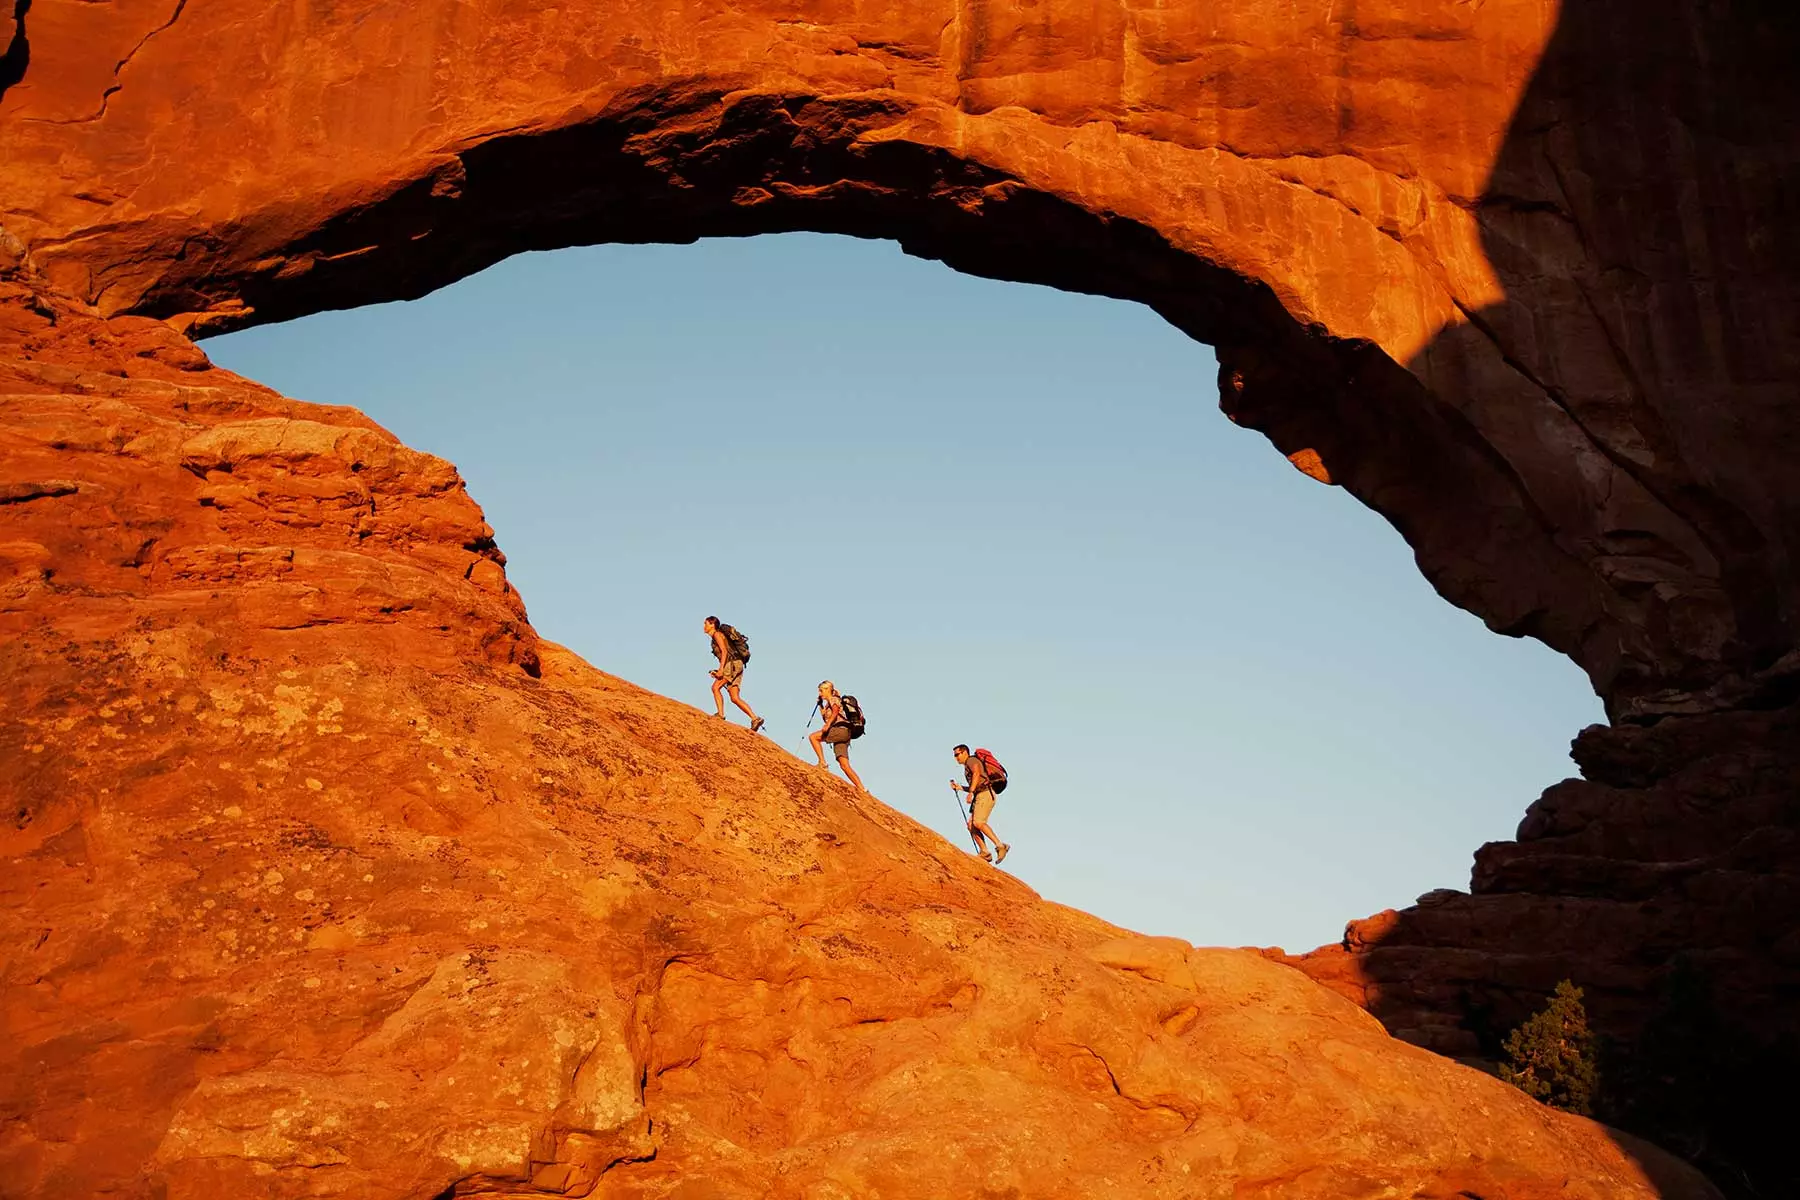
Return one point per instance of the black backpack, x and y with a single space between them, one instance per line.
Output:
852 716
740 645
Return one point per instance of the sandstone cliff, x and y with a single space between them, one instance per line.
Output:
1519 274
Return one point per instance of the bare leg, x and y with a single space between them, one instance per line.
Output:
817 738
718 698
979 808
739 701
851 774
980 845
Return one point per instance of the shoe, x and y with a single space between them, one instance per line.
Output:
1000 854
986 857
756 725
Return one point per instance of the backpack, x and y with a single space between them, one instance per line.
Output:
740 645
853 716
996 774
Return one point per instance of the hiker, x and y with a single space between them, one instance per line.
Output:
733 651
985 778
843 720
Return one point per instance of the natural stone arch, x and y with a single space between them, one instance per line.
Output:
1308 190
1528 295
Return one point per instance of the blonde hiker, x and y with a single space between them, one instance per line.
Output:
843 721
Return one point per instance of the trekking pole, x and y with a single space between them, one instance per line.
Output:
964 814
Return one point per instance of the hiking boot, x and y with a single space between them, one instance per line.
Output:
756 724
985 856
1000 853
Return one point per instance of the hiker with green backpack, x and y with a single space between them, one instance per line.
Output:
986 779
733 652
843 722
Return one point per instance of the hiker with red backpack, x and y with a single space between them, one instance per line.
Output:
986 779
843 722
733 652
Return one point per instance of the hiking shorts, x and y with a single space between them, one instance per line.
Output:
839 738
981 806
732 673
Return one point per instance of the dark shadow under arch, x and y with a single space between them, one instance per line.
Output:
1652 159
1640 216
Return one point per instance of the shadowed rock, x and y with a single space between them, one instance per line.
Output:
1517 275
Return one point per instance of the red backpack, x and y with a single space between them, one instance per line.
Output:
996 774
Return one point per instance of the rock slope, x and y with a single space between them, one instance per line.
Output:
326 878
1520 275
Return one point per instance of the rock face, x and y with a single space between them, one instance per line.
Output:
1518 274
326 878
1682 839
1505 281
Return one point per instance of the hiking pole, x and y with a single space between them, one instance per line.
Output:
961 812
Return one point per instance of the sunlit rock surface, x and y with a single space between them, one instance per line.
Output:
326 878
1517 274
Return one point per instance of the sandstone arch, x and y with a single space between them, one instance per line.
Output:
1310 192
1524 294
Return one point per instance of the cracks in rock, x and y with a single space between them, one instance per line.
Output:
1523 205
626 1160
889 47
641 1036
19 493
1619 460
1480 325
1107 1067
1635 384
1568 203
1433 191
1429 264
899 50
112 88
484 1184
1348 207
1189 1119
1728 535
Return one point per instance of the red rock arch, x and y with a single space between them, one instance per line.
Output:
1529 295
1309 192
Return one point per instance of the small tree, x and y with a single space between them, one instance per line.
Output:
1551 1056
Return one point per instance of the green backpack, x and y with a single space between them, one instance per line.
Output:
740 645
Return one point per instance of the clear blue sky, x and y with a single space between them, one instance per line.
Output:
1232 708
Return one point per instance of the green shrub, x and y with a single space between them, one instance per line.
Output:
1551 1056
